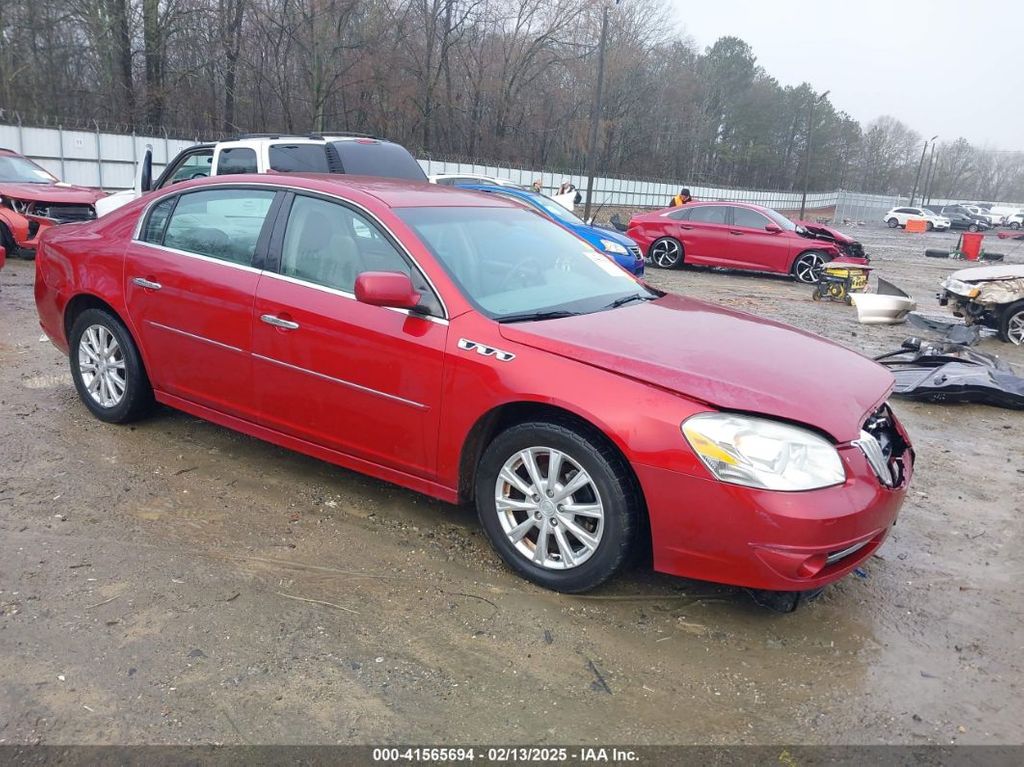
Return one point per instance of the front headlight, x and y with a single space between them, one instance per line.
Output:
613 247
758 452
960 288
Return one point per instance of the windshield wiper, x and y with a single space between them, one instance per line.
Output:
627 299
530 316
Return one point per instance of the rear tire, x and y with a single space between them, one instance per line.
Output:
666 253
972 228
107 369
1011 323
1014 225
893 222
571 543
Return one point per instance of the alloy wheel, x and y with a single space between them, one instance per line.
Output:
102 366
808 267
1015 328
549 508
666 253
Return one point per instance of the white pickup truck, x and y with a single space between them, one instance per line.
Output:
259 153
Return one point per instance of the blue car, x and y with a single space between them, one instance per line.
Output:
618 247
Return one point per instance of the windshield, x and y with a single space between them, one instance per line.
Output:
18 170
556 211
784 223
511 263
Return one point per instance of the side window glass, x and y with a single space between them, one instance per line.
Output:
683 214
192 165
239 159
749 219
220 223
311 158
709 214
153 231
330 245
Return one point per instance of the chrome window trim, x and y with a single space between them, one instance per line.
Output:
298 189
343 382
201 257
348 295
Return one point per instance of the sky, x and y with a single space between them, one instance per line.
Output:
942 67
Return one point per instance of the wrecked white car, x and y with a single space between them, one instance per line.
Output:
992 296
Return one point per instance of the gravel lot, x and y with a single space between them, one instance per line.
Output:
175 582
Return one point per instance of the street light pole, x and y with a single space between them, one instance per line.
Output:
807 149
926 195
917 178
595 116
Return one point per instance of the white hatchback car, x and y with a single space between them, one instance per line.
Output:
900 216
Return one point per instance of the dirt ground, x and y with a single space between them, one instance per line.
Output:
175 582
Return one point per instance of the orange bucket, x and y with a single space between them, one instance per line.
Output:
971 247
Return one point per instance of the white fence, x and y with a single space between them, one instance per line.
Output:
108 161
89 158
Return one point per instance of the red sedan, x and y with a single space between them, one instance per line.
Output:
733 235
460 345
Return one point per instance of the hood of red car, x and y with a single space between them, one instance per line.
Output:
727 359
826 230
66 193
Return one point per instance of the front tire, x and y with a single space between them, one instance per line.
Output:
558 504
929 225
666 253
107 369
807 267
1011 323
893 222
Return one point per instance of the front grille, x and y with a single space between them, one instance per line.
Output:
64 214
635 252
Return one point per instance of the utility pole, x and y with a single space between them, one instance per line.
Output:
595 116
807 149
917 178
926 195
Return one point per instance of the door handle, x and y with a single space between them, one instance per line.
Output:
277 322
736 234
142 282
687 228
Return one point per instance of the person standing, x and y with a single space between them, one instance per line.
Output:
682 198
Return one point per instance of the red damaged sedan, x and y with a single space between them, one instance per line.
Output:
735 236
457 344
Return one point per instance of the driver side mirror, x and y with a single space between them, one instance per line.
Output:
772 228
391 289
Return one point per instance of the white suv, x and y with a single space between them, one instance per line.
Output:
259 153
900 216
1015 221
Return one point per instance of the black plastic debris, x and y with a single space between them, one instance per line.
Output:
952 332
953 373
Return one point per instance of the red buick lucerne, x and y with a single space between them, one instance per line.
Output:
732 235
462 346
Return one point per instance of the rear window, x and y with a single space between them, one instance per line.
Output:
311 158
378 158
